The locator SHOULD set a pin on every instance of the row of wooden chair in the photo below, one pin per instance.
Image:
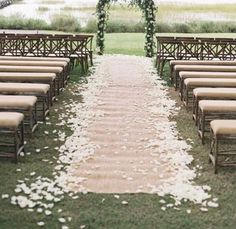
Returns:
(209, 88)
(76, 47)
(199, 48)
(28, 87)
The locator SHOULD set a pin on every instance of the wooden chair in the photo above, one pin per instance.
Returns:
(35, 78)
(37, 69)
(222, 130)
(174, 63)
(192, 83)
(12, 134)
(214, 109)
(23, 104)
(41, 91)
(201, 75)
(200, 68)
(207, 93)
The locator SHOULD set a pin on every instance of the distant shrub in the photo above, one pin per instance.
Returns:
(163, 28)
(196, 27)
(124, 27)
(207, 27)
(19, 22)
(61, 22)
(182, 28)
(65, 23)
(91, 26)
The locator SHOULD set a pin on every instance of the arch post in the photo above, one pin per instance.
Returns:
(148, 10)
(102, 14)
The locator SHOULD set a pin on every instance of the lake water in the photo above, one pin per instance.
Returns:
(30, 9)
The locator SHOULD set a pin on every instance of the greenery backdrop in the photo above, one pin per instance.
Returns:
(149, 12)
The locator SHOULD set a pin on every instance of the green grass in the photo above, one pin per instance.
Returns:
(133, 43)
(125, 43)
(103, 210)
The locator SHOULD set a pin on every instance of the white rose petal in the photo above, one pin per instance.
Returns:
(5, 196)
(62, 220)
(41, 224)
(204, 209)
(47, 212)
(213, 204)
(163, 208)
(39, 210)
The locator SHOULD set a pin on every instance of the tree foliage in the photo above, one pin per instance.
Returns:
(148, 9)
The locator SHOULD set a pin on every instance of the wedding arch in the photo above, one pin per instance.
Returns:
(148, 9)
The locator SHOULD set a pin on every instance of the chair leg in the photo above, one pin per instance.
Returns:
(212, 144)
(162, 68)
(176, 76)
(203, 128)
(187, 96)
(184, 94)
(16, 146)
(18, 141)
(194, 108)
(201, 124)
(216, 155)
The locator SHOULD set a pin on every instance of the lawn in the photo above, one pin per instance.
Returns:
(125, 43)
(103, 210)
(133, 43)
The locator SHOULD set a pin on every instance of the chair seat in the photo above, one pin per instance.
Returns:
(186, 74)
(24, 87)
(219, 82)
(17, 102)
(217, 105)
(35, 58)
(211, 68)
(223, 127)
(215, 92)
(21, 76)
(16, 68)
(10, 119)
(202, 62)
(33, 63)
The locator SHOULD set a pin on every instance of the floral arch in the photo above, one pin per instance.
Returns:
(148, 9)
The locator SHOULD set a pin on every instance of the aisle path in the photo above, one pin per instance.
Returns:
(122, 141)
(125, 142)
(123, 163)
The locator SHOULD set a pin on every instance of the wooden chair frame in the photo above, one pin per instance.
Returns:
(216, 152)
(18, 141)
(204, 119)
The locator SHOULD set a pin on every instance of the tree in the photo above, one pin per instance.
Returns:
(148, 9)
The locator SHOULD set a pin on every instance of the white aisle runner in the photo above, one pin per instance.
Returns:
(124, 142)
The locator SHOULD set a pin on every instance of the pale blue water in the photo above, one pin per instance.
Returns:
(29, 9)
